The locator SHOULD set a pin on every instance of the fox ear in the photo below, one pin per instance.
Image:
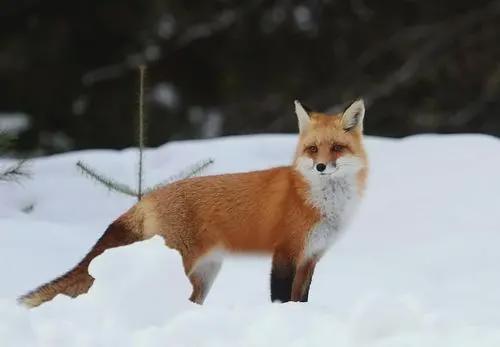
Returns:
(352, 117)
(302, 116)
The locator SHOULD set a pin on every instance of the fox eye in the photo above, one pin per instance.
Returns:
(312, 149)
(337, 148)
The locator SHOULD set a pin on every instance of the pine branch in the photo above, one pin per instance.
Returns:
(15, 172)
(108, 182)
(191, 171)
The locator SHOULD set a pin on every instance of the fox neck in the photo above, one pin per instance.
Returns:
(336, 199)
(334, 196)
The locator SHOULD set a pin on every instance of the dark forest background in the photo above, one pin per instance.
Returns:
(234, 67)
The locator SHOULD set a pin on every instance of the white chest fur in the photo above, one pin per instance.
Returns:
(336, 198)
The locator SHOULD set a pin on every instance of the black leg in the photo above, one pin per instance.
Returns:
(282, 275)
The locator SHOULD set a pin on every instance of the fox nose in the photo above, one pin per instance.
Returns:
(320, 167)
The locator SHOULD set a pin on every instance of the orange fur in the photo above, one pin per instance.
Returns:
(254, 211)
(327, 130)
(260, 211)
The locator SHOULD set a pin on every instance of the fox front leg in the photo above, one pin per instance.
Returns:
(302, 280)
(282, 277)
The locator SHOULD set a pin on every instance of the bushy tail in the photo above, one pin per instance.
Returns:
(78, 280)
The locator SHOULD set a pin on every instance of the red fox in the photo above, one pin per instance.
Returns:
(294, 212)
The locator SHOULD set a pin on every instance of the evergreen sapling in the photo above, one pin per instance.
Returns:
(138, 192)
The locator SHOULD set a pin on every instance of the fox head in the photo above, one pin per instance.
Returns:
(330, 145)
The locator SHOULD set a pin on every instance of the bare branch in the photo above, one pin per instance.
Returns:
(442, 34)
(202, 30)
(489, 92)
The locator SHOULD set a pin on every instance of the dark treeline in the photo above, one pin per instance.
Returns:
(235, 67)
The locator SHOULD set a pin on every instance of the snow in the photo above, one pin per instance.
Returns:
(166, 95)
(417, 267)
(14, 123)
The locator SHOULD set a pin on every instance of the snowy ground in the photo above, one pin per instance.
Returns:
(418, 267)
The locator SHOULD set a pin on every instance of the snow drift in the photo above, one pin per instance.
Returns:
(417, 267)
